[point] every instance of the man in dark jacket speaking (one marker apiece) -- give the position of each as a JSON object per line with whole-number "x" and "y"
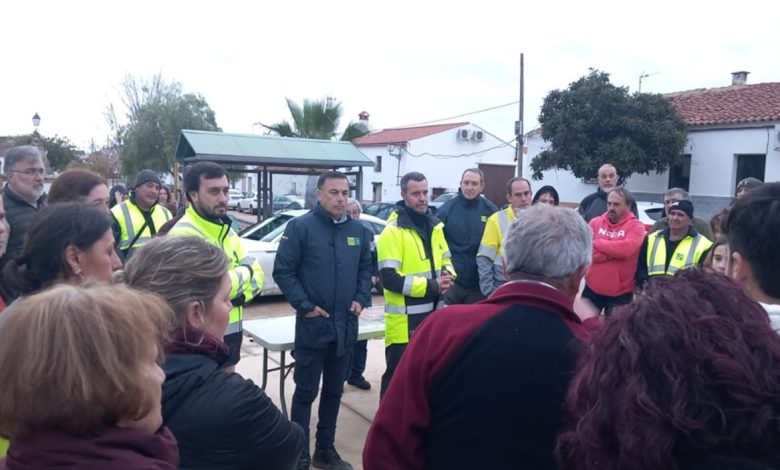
{"x": 323, "y": 267}
{"x": 464, "y": 218}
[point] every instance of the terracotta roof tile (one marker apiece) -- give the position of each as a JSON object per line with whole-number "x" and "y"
{"x": 402, "y": 135}
{"x": 728, "y": 105}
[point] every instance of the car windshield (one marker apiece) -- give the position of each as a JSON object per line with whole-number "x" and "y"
{"x": 267, "y": 230}
{"x": 276, "y": 233}
{"x": 444, "y": 197}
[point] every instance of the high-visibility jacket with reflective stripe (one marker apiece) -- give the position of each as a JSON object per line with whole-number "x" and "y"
{"x": 245, "y": 273}
{"x": 491, "y": 248}
{"x": 686, "y": 255}
{"x": 401, "y": 248}
{"x": 131, "y": 219}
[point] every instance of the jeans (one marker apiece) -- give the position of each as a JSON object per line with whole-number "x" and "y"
{"x": 310, "y": 364}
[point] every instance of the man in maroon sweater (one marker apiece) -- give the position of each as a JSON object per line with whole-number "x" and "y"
{"x": 482, "y": 386}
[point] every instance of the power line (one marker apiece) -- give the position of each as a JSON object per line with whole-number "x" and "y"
{"x": 462, "y": 155}
{"x": 460, "y": 115}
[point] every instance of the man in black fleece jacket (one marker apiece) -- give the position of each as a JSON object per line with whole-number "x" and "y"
{"x": 464, "y": 218}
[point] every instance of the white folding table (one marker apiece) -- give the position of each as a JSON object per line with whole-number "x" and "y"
{"x": 278, "y": 334}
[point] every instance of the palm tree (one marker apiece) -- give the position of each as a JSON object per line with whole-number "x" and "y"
{"x": 316, "y": 119}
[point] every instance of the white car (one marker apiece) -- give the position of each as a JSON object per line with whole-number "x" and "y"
{"x": 248, "y": 203}
{"x": 649, "y": 213}
{"x": 262, "y": 240}
{"x": 234, "y": 195}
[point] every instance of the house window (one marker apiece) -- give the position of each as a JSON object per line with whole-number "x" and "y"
{"x": 378, "y": 164}
{"x": 750, "y": 165}
{"x": 680, "y": 174}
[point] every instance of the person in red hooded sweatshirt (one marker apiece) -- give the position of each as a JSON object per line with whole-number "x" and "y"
{"x": 617, "y": 239}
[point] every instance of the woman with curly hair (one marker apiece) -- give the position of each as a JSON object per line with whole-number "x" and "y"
{"x": 687, "y": 376}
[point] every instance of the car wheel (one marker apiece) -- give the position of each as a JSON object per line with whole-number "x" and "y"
{"x": 251, "y": 209}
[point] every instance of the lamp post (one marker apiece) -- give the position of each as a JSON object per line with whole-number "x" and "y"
{"x": 36, "y": 122}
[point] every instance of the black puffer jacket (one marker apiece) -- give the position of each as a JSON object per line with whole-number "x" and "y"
{"x": 223, "y": 421}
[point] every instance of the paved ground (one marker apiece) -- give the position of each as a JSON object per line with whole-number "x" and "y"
{"x": 357, "y": 406}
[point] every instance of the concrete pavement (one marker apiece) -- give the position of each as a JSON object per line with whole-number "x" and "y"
{"x": 358, "y": 407}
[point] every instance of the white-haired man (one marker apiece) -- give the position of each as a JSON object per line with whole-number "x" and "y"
{"x": 520, "y": 345}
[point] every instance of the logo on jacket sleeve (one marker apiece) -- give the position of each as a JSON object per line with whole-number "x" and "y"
{"x": 353, "y": 241}
{"x": 484, "y": 218}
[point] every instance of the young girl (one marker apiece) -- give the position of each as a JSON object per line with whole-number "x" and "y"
{"x": 718, "y": 258}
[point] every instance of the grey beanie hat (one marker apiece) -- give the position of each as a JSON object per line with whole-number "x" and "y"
{"x": 749, "y": 183}
{"x": 145, "y": 176}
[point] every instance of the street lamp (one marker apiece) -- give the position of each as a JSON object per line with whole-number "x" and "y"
{"x": 36, "y": 122}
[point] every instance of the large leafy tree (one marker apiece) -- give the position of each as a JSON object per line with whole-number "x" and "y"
{"x": 594, "y": 122}
{"x": 156, "y": 112}
{"x": 316, "y": 119}
{"x": 59, "y": 151}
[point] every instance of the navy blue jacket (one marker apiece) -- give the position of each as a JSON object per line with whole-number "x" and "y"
{"x": 464, "y": 221}
{"x": 327, "y": 264}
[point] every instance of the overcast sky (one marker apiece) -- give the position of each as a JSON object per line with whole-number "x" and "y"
{"x": 404, "y": 62}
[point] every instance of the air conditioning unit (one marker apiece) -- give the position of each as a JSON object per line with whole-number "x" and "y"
{"x": 462, "y": 134}
{"x": 477, "y": 136}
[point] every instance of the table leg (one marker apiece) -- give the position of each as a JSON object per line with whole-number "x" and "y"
{"x": 265, "y": 368}
{"x": 282, "y": 376}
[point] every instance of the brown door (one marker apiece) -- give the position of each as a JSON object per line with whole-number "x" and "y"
{"x": 496, "y": 177}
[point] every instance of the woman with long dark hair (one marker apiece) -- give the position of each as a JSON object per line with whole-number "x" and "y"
{"x": 687, "y": 376}
{"x": 65, "y": 243}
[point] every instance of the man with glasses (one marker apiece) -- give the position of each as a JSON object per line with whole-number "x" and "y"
{"x": 22, "y": 194}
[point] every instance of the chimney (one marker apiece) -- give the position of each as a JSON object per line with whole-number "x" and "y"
{"x": 363, "y": 116}
{"x": 739, "y": 78}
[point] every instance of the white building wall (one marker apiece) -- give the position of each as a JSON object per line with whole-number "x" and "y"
{"x": 713, "y": 167}
{"x": 281, "y": 184}
{"x": 714, "y": 157}
{"x": 441, "y": 157}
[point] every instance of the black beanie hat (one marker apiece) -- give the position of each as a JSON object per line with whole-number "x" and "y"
{"x": 684, "y": 205}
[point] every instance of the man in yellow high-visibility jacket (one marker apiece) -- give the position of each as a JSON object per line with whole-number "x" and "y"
{"x": 138, "y": 219}
{"x": 677, "y": 247}
{"x": 415, "y": 268}
{"x": 207, "y": 187}
{"x": 490, "y": 263}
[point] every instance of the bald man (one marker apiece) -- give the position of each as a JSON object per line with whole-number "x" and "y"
{"x": 595, "y": 204}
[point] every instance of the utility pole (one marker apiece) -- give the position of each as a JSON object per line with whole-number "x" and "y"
{"x": 519, "y": 124}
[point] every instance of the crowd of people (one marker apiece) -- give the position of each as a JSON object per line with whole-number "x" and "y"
{"x": 529, "y": 336}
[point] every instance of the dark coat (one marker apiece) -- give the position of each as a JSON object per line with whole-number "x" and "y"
{"x": 222, "y": 420}
{"x": 596, "y": 204}
{"x": 327, "y": 264}
{"x": 19, "y": 214}
{"x": 464, "y": 222}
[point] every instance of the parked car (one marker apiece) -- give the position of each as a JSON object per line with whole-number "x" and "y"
{"x": 649, "y": 213}
{"x": 381, "y": 210}
{"x": 234, "y": 195}
{"x": 288, "y": 202}
{"x": 440, "y": 200}
{"x": 262, "y": 240}
{"x": 248, "y": 203}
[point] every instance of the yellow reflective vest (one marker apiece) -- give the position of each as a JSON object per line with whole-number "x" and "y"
{"x": 491, "y": 275}
{"x": 131, "y": 220}
{"x": 401, "y": 248}
{"x": 686, "y": 255}
{"x": 246, "y": 275}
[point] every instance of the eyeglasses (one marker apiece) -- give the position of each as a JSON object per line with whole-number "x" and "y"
{"x": 31, "y": 171}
